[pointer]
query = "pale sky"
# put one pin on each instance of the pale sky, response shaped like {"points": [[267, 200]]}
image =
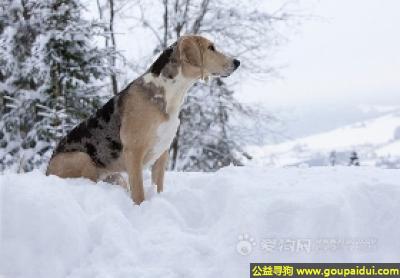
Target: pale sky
{"points": [[346, 58], [352, 52]]}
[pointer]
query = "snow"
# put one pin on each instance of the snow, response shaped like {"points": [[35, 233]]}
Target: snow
{"points": [[373, 140], [391, 149], [203, 225]]}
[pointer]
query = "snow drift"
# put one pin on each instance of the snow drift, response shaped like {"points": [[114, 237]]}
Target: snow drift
{"points": [[203, 225]]}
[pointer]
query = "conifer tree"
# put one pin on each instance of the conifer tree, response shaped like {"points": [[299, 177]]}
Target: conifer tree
{"points": [[208, 128], [51, 79], [354, 160]]}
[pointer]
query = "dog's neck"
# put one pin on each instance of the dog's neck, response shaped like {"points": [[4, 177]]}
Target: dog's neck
{"points": [[174, 89]]}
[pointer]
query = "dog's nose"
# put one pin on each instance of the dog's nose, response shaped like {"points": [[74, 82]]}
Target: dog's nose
{"points": [[236, 63]]}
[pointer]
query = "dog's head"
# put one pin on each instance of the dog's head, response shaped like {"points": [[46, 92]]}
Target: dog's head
{"points": [[200, 58], [197, 57]]}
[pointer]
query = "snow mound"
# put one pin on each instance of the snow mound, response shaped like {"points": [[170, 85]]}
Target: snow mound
{"points": [[203, 225]]}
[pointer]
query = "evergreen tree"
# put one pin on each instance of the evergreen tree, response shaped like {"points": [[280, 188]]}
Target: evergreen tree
{"points": [[16, 86], [332, 158], [354, 161], [51, 80], [210, 131]]}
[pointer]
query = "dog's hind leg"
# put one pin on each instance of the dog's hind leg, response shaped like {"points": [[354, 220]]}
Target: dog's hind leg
{"points": [[158, 170], [73, 165]]}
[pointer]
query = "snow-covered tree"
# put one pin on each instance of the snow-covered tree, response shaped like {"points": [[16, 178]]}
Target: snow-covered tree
{"points": [[388, 162], [212, 144], [51, 76], [354, 160], [16, 86], [332, 158]]}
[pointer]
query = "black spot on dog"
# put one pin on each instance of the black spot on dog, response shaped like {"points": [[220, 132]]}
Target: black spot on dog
{"points": [[99, 135], [78, 133], [93, 123], [98, 161], [91, 149], [106, 111], [115, 155], [161, 61], [92, 152], [116, 146]]}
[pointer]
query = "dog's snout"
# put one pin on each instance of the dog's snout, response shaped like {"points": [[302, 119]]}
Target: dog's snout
{"points": [[236, 63]]}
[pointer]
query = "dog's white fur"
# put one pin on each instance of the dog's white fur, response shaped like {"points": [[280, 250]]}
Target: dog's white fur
{"points": [[175, 91]]}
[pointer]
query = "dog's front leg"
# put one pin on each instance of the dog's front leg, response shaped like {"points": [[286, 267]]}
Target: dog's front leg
{"points": [[157, 171], [134, 166]]}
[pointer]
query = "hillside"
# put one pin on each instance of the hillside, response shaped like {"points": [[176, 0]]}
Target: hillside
{"points": [[204, 225], [376, 141]]}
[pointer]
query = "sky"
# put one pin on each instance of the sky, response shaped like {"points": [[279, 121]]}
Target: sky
{"points": [[346, 56]]}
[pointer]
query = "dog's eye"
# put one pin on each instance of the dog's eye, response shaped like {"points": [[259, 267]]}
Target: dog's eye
{"points": [[211, 47]]}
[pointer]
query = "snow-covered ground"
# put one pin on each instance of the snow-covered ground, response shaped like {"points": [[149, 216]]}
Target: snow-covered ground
{"points": [[377, 142], [203, 225]]}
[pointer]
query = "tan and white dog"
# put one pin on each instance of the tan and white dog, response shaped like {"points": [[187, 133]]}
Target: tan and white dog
{"points": [[135, 128]]}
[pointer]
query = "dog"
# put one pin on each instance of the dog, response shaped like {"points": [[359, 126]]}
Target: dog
{"points": [[135, 128]]}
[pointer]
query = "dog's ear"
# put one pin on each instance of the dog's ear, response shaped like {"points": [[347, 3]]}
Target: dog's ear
{"points": [[161, 61], [190, 52]]}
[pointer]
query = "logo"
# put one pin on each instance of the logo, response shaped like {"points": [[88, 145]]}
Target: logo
{"points": [[245, 244]]}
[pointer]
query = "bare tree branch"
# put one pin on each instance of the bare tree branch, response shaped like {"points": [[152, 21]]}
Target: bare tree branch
{"points": [[199, 20], [165, 41], [113, 61]]}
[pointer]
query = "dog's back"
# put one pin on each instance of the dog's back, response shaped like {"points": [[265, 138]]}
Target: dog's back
{"points": [[98, 136]]}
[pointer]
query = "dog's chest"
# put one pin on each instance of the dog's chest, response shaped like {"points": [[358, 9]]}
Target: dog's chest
{"points": [[164, 135], [174, 93]]}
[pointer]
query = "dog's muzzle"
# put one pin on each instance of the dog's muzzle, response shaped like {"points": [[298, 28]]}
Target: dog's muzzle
{"points": [[236, 64]]}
